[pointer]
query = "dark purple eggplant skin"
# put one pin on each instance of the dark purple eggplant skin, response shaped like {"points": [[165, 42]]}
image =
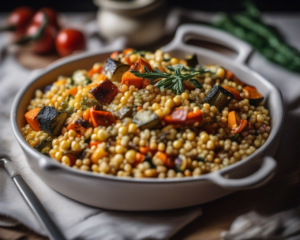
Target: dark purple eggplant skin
{"points": [[105, 92]]}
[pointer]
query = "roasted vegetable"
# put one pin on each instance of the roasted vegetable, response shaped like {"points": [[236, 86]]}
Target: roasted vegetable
{"points": [[219, 97], [253, 95], [116, 69], [125, 112], [101, 118], [31, 119], [51, 121], [160, 158], [44, 146], [80, 78], [87, 103], [183, 117], [192, 60], [140, 64], [65, 106], [234, 92], [97, 68], [105, 92], [73, 91], [129, 79], [236, 124], [145, 119], [79, 125]]}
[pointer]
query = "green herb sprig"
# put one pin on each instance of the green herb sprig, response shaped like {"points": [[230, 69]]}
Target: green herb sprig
{"points": [[173, 81]]}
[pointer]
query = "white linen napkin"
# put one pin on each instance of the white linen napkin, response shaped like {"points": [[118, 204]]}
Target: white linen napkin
{"points": [[76, 220]]}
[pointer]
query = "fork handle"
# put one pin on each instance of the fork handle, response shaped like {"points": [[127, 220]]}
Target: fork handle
{"points": [[38, 209]]}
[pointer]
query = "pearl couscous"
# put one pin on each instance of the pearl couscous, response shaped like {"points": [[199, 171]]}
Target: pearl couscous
{"points": [[144, 114]]}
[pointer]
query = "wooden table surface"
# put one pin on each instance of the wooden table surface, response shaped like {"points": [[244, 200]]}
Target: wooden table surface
{"points": [[280, 193]]}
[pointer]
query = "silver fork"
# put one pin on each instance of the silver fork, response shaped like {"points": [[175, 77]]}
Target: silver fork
{"points": [[31, 199]]}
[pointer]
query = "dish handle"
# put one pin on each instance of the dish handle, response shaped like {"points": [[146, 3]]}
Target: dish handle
{"points": [[266, 169], [209, 34]]}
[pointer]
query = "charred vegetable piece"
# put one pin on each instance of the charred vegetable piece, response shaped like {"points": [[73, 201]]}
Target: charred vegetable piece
{"points": [[125, 112], [145, 119], [65, 106], [139, 66], [183, 117], [219, 97], [191, 60], [80, 78], [44, 146], [129, 79], [234, 92], [236, 124], [253, 95], [105, 92], [101, 118], [79, 125], [51, 121], [87, 103], [180, 164], [31, 118], [116, 69]]}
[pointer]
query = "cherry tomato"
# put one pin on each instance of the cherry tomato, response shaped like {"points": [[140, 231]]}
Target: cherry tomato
{"points": [[20, 18], [52, 15], [69, 41], [46, 43]]}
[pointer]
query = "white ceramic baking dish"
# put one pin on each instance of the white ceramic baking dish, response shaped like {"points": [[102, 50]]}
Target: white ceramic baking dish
{"points": [[132, 194]]}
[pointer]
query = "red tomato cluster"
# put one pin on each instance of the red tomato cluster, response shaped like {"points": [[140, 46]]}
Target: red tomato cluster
{"points": [[44, 39]]}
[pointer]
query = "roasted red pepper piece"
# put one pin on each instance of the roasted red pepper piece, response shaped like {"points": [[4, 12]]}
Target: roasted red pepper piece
{"points": [[79, 125], [182, 116], [101, 118], [105, 92], [234, 92], [139, 66]]}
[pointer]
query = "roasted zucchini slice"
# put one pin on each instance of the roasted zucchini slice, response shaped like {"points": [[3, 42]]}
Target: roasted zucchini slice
{"points": [[115, 69], [253, 95], [146, 119], [44, 146], [218, 97], [125, 112], [51, 121]]}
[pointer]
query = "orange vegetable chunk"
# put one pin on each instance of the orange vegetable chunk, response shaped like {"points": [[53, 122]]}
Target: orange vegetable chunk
{"points": [[31, 118]]}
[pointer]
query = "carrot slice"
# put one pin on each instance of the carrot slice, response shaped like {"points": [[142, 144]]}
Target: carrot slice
{"points": [[233, 120], [86, 114], [31, 118], [101, 118], [94, 70], [234, 92], [240, 128], [73, 91], [127, 60], [251, 92], [129, 79]]}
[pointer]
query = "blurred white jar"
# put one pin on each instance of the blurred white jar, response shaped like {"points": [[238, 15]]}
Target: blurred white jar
{"points": [[140, 21]]}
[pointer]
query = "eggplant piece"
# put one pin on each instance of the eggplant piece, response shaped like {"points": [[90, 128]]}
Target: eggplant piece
{"points": [[145, 119], [88, 103], [105, 92], [218, 97], [51, 121], [44, 146], [80, 78], [116, 69], [192, 60], [125, 112]]}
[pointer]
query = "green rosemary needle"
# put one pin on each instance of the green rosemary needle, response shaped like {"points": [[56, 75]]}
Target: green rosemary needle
{"points": [[175, 80]]}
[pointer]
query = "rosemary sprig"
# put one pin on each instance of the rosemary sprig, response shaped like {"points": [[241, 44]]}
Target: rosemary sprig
{"points": [[173, 81]]}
